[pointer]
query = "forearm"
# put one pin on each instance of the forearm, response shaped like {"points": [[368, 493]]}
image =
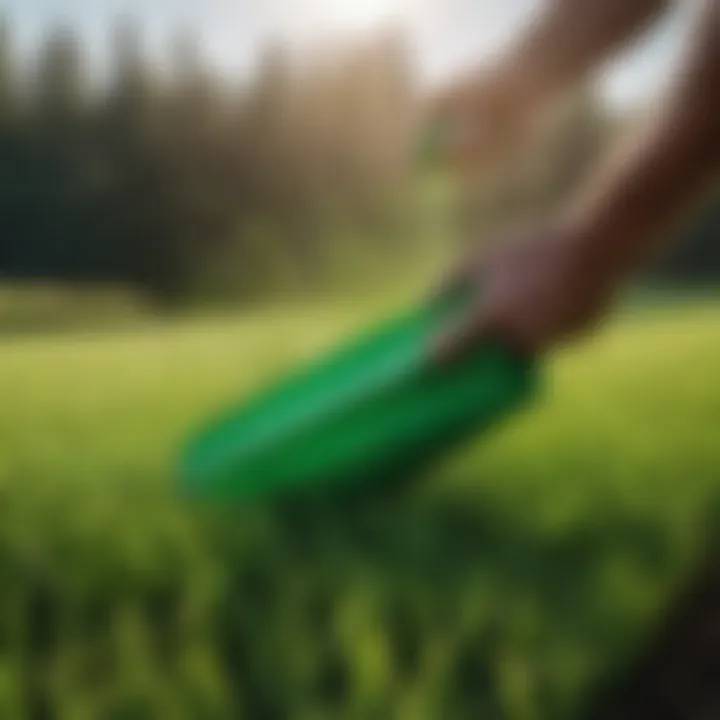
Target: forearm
{"points": [[657, 172], [568, 39]]}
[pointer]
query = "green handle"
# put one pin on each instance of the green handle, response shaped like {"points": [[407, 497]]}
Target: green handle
{"points": [[377, 409]]}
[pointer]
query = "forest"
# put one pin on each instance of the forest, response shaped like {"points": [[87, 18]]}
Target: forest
{"points": [[161, 180], [181, 181]]}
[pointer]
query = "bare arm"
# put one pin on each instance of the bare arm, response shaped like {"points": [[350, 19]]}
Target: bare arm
{"points": [[555, 281], [568, 39], [490, 107], [660, 168]]}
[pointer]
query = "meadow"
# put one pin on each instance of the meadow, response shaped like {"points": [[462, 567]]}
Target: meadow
{"points": [[506, 585]]}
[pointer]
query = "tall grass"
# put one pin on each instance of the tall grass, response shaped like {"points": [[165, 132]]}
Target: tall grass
{"points": [[504, 586]]}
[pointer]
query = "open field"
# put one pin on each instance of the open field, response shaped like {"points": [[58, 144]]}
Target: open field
{"points": [[503, 587]]}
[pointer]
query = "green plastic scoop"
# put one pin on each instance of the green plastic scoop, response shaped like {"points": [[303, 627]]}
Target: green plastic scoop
{"points": [[374, 412]]}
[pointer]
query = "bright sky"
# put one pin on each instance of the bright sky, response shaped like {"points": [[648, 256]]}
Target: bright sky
{"points": [[445, 34]]}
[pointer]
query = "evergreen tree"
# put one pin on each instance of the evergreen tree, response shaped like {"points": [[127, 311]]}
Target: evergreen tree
{"points": [[60, 88], [8, 76]]}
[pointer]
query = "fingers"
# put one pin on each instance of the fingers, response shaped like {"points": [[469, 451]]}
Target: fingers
{"points": [[466, 275], [467, 333]]}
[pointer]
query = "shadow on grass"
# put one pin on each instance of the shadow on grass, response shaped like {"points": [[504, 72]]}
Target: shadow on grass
{"points": [[460, 579]]}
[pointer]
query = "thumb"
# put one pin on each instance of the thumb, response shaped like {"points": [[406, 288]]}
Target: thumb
{"points": [[466, 333], [463, 276]]}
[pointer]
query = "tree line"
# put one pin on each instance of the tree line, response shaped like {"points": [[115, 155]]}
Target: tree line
{"points": [[189, 181], [166, 181]]}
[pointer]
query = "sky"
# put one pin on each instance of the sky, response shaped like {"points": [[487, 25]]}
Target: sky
{"points": [[445, 34]]}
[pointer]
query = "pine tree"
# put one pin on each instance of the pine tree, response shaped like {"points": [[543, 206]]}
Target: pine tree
{"points": [[8, 77], [61, 89], [132, 97]]}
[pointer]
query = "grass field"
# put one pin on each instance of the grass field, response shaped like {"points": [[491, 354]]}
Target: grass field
{"points": [[504, 587]]}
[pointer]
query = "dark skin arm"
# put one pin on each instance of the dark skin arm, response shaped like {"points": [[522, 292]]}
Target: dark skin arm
{"points": [[661, 168], [493, 105], [548, 284]]}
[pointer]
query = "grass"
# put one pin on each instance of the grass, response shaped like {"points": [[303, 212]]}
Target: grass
{"points": [[39, 307], [504, 587]]}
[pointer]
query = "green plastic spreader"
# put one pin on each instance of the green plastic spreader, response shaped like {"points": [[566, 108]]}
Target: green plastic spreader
{"points": [[376, 411]]}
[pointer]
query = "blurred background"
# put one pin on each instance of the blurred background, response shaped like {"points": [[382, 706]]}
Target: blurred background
{"points": [[194, 197]]}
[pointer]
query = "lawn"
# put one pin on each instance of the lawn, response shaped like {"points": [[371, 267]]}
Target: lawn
{"points": [[504, 586]]}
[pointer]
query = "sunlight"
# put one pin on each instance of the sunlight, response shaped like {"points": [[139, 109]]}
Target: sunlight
{"points": [[359, 14]]}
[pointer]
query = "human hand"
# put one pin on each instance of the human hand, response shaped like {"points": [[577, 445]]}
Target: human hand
{"points": [[533, 290]]}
